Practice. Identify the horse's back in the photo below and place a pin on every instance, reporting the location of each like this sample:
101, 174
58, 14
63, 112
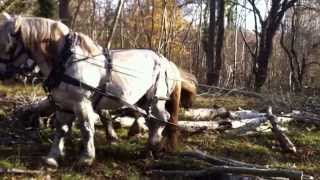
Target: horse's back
134, 72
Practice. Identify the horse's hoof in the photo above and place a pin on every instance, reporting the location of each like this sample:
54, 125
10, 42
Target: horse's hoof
85, 161
135, 137
51, 162
113, 140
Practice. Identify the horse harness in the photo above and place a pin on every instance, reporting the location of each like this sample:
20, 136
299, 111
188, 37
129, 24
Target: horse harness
57, 75
11, 69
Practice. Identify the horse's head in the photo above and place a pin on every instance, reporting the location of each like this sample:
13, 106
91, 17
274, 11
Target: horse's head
13, 55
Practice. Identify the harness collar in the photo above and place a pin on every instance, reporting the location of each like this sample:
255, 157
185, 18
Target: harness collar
58, 69
56, 76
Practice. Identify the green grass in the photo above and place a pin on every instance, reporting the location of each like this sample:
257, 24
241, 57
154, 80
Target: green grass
18, 89
124, 160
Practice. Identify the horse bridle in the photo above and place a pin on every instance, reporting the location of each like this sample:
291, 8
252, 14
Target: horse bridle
14, 55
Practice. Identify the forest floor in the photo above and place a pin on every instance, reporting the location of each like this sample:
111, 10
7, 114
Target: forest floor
123, 160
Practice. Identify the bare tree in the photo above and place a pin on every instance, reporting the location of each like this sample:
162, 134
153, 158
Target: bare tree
214, 43
269, 26
115, 23
299, 42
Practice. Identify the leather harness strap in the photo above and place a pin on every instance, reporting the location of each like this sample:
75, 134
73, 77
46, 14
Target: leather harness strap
57, 75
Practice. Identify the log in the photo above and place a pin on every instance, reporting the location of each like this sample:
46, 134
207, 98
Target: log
283, 139
246, 114
242, 121
20, 171
205, 113
207, 172
237, 126
242, 127
188, 126
305, 117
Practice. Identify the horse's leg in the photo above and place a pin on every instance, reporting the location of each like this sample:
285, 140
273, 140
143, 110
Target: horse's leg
134, 129
159, 111
106, 120
87, 117
63, 125
170, 132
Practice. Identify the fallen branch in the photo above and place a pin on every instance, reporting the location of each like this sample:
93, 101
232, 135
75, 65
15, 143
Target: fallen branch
19, 171
244, 126
235, 91
205, 113
246, 114
217, 160
291, 174
223, 166
305, 117
188, 126
283, 139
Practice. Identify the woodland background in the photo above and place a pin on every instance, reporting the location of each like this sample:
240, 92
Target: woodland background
234, 46
208, 38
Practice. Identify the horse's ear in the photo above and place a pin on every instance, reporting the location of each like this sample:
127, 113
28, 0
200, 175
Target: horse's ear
5, 17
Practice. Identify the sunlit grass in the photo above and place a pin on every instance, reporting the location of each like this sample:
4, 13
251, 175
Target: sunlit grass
19, 89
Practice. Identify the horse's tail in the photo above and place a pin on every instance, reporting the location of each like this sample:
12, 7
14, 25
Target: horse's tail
189, 86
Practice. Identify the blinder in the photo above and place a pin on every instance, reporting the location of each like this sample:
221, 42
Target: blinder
15, 52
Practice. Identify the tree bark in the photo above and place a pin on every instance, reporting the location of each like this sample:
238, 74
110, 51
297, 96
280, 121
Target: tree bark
209, 45
64, 12
269, 27
219, 43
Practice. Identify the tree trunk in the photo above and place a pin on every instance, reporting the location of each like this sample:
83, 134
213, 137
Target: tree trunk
64, 12
219, 42
264, 53
269, 27
209, 46
115, 22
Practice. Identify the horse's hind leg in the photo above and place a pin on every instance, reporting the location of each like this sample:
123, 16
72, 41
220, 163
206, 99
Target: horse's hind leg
84, 111
63, 126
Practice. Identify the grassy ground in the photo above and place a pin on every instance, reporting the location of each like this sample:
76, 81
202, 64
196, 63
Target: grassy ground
124, 160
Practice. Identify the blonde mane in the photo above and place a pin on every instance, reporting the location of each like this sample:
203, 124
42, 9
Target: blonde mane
46, 35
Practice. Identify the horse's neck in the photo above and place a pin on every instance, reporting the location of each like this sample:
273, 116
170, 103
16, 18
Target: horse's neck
45, 57
46, 52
